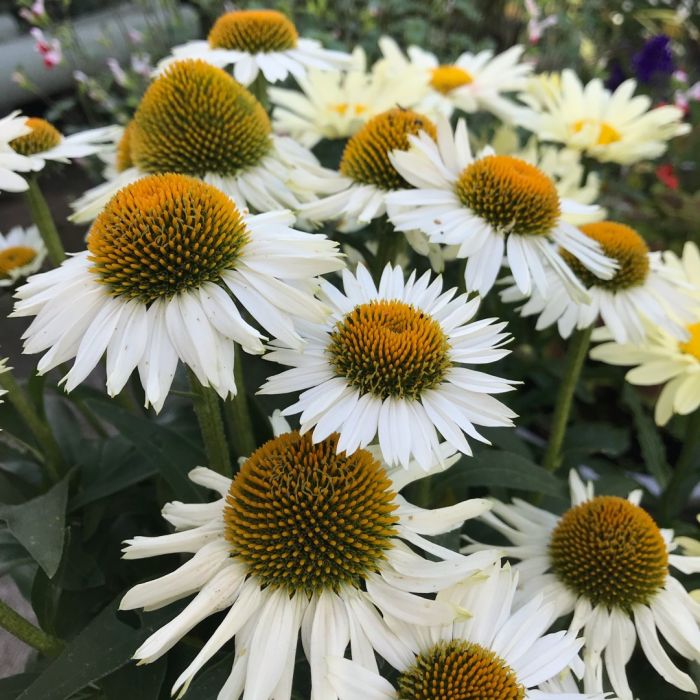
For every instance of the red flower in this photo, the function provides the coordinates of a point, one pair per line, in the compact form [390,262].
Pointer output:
[666,174]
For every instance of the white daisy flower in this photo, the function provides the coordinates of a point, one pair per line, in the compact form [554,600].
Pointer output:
[473,83]
[44,142]
[607,561]
[22,252]
[197,120]
[492,652]
[336,104]
[258,41]
[366,174]
[304,539]
[643,287]
[608,126]
[165,264]
[12,127]
[490,206]
[388,363]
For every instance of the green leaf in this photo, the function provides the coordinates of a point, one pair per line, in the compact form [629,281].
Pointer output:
[39,525]
[12,687]
[209,682]
[650,442]
[506,470]
[592,438]
[135,682]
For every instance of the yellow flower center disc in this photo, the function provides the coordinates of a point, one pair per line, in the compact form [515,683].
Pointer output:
[621,243]
[196,119]
[389,348]
[609,551]
[459,670]
[445,79]
[510,194]
[307,519]
[15,257]
[165,234]
[253,31]
[123,155]
[607,133]
[366,156]
[692,346]
[42,137]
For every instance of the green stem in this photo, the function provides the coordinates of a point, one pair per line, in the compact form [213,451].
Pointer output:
[684,475]
[575,357]
[237,412]
[259,89]
[21,628]
[41,215]
[206,407]
[18,398]
[390,243]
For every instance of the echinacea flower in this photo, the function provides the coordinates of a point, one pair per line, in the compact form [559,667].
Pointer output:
[167,262]
[490,206]
[661,358]
[258,41]
[367,174]
[388,363]
[45,142]
[493,652]
[336,104]
[22,252]
[608,126]
[643,287]
[14,126]
[303,539]
[473,83]
[197,120]
[607,561]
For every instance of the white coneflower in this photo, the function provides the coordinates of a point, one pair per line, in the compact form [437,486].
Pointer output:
[197,120]
[367,174]
[166,263]
[607,561]
[22,252]
[490,206]
[259,41]
[473,83]
[494,652]
[14,126]
[389,363]
[304,539]
[608,126]
[643,287]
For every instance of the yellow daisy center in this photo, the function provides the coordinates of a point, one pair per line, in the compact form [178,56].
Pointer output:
[123,155]
[165,234]
[196,119]
[389,348]
[692,346]
[366,155]
[15,257]
[445,79]
[459,670]
[509,194]
[42,137]
[607,133]
[305,518]
[253,31]
[609,551]
[621,243]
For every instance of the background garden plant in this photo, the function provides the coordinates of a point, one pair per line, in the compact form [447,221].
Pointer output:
[253,253]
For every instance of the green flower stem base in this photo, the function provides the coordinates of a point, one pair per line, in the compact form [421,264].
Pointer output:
[41,215]
[259,90]
[206,406]
[240,425]
[53,461]
[687,469]
[17,626]
[575,357]
[390,246]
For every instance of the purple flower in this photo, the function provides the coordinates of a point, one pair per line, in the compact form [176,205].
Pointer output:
[616,75]
[654,58]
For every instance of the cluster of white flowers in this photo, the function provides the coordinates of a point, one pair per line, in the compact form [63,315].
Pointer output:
[202,239]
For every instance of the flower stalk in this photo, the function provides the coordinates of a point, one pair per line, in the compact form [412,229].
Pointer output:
[206,407]
[41,215]
[237,412]
[575,357]
[18,626]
